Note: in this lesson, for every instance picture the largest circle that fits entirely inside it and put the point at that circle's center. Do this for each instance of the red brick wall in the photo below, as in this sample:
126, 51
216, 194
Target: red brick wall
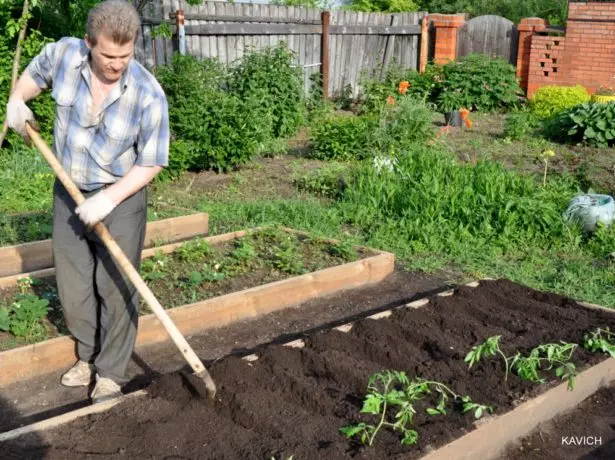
586, 56
546, 65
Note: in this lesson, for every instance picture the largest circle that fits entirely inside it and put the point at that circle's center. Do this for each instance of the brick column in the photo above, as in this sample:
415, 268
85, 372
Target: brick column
527, 28
447, 27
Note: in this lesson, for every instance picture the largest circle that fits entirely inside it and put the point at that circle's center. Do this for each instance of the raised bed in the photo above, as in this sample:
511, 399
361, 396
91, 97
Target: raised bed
36, 258
291, 400
372, 266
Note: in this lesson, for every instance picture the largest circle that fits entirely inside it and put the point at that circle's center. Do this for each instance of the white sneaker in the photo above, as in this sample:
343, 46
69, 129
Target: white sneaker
80, 375
104, 390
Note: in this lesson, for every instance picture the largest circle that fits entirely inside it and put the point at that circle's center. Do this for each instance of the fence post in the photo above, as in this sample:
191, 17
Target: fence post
181, 31
447, 27
324, 49
424, 43
526, 29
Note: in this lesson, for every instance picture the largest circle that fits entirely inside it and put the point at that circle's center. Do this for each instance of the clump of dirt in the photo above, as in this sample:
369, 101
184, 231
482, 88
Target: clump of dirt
293, 401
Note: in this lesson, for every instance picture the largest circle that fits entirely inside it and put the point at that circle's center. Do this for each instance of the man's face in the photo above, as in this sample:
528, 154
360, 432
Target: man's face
110, 59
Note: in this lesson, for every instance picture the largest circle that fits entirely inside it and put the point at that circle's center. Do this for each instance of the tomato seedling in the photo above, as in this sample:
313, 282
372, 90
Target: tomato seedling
600, 340
390, 389
527, 367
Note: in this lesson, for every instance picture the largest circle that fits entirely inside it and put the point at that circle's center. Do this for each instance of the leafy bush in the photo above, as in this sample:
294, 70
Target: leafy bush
328, 181
405, 123
479, 83
270, 78
551, 100
520, 124
226, 128
183, 156
592, 124
342, 137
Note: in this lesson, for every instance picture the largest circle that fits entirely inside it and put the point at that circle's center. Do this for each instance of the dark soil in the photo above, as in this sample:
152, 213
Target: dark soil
588, 432
292, 402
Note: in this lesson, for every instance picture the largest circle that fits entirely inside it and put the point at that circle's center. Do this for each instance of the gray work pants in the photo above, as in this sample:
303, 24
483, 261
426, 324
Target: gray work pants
100, 305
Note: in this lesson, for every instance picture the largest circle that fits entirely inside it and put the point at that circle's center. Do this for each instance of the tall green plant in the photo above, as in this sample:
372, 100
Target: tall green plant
219, 129
270, 78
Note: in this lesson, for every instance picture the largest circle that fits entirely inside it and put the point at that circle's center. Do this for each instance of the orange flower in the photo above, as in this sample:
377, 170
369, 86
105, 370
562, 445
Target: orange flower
390, 100
465, 114
468, 123
403, 87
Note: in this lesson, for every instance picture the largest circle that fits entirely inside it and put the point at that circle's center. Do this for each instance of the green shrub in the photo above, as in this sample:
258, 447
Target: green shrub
183, 156
342, 137
479, 83
551, 100
406, 122
269, 76
592, 124
520, 124
220, 128
328, 181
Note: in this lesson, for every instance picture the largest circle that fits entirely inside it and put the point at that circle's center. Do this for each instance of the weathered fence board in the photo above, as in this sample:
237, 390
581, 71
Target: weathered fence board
491, 35
358, 42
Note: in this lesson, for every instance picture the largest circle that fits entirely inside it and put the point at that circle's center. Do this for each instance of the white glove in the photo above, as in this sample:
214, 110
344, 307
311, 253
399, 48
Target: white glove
95, 209
17, 114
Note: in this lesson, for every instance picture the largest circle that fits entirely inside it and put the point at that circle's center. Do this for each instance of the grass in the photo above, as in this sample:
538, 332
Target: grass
293, 190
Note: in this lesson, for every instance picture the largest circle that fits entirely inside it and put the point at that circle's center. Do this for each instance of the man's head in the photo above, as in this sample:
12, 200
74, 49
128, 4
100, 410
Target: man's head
112, 30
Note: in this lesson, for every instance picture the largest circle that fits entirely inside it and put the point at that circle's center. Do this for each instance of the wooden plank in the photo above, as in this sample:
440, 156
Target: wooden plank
247, 9
309, 57
168, 7
213, 41
194, 45
241, 39
282, 19
303, 43
38, 254
333, 17
147, 40
231, 40
159, 45
339, 58
350, 51
220, 39
369, 58
302, 29
290, 38
316, 51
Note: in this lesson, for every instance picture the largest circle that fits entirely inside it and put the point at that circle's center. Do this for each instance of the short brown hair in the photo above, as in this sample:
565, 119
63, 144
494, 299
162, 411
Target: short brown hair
117, 19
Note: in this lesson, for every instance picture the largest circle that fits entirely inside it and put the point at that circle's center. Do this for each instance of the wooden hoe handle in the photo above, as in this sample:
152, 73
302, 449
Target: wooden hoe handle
127, 267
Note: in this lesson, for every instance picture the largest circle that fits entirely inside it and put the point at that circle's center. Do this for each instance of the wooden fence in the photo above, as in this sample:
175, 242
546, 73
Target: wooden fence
358, 42
491, 35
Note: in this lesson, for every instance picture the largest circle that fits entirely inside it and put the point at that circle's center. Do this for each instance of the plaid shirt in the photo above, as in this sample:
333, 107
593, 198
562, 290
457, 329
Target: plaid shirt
131, 128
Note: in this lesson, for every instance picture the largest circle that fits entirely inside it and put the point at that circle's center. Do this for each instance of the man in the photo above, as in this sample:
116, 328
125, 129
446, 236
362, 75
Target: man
111, 135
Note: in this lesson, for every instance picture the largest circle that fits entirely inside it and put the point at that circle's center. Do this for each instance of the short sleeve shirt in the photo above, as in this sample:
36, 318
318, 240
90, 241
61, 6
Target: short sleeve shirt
131, 127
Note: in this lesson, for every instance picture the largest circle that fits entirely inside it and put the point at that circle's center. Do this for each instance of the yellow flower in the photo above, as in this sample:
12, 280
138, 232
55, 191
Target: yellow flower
548, 153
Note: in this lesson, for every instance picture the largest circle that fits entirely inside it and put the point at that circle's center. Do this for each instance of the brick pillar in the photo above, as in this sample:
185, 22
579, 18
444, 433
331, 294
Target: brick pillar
527, 28
447, 27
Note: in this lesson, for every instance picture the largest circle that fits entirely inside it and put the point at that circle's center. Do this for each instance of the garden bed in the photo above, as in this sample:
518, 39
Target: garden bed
292, 401
224, 278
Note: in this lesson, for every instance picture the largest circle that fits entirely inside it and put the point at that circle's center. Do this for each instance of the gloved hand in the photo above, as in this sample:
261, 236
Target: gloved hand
17, 114
95, 209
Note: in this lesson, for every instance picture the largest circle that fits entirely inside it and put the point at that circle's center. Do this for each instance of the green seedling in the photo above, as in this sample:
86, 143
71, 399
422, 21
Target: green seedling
25, 315
344, 250
24, 284
193, 251
392, 389
288, 259
600, 340
527, 367
244, 252
153, 268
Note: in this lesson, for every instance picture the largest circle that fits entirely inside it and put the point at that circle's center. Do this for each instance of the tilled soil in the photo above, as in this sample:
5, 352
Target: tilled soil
292, 401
